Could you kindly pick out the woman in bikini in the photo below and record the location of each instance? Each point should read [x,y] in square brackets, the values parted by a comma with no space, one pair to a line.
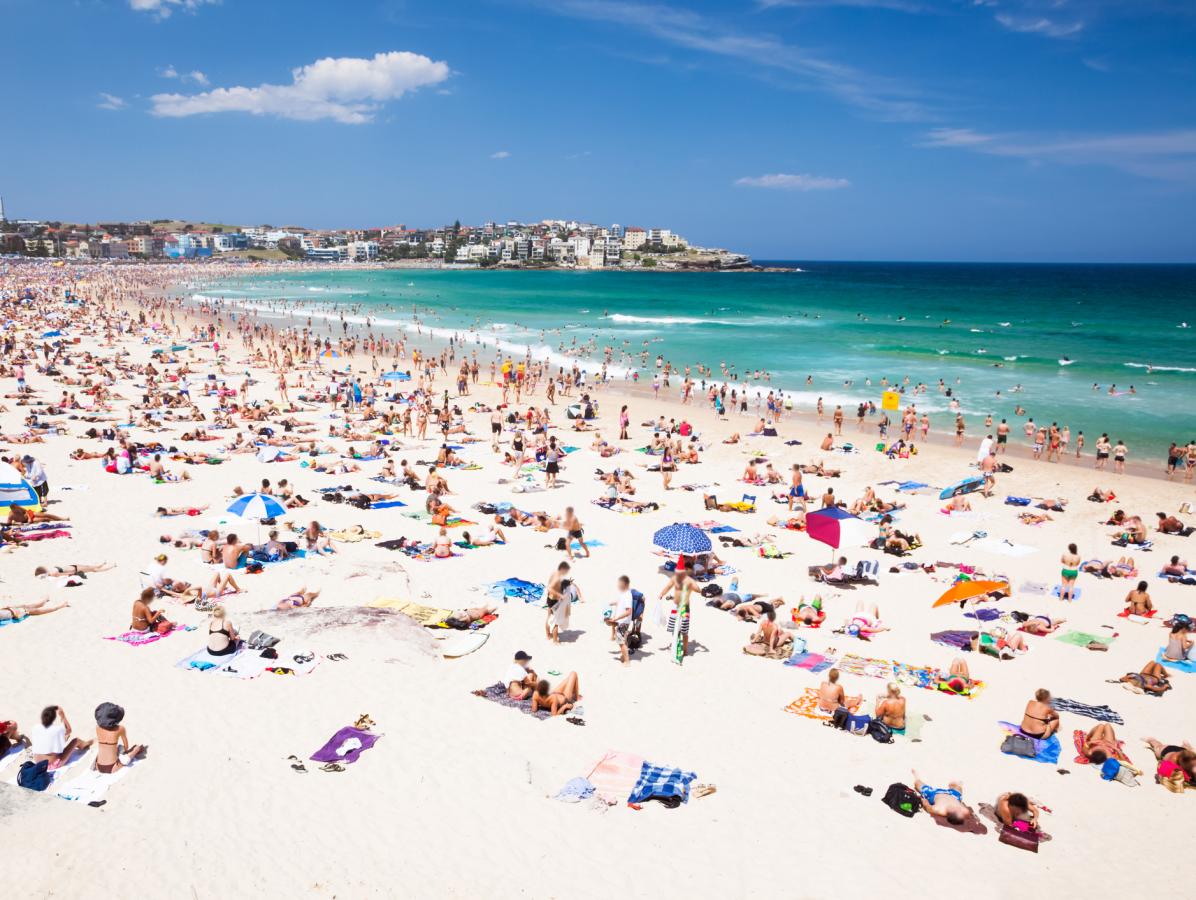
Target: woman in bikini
[1069,573]
[559,700]
[145,619]
[222,637]
[442,547]
[72,569]
[1041,625]
[14,613]
[297,599]
[1040,720]
[111,737]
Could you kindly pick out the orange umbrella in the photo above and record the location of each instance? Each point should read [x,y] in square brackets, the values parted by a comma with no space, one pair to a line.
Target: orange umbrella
[967,590]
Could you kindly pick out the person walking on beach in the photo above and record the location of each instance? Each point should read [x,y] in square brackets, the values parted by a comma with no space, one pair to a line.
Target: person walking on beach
[1102,451]
[1119,454]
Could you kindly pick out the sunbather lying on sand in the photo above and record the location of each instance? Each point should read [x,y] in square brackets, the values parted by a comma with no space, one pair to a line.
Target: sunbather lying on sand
[297,599]
[1153,679]
[944,803]
[1123,567]
[558,700]
[15,613]
[1042,625]
[72,569]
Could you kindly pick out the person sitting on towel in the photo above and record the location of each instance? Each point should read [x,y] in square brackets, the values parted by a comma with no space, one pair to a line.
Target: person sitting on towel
[558,700]
[831,695]
[1017,811]
[519,678]
[222,637]
[1137,601]
[1040,719]
[890,708]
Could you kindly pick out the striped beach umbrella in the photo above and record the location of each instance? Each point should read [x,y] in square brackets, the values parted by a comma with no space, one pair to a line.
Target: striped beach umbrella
[14,489]
[681,537]
[256,506]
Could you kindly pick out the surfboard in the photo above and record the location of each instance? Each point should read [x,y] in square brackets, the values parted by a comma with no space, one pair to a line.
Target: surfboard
[461,643]
[967,486]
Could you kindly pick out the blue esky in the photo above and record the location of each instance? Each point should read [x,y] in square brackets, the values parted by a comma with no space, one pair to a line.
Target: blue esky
[837,129]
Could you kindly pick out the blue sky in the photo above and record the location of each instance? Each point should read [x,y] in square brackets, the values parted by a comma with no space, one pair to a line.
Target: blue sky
[836,129]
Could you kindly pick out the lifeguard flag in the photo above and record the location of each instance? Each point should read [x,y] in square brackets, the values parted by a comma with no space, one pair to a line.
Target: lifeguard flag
[890,400]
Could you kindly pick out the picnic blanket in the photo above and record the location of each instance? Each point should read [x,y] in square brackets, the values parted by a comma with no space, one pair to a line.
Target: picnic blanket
[1181,665]
[141,638]
[1079,736]
[1100,713]
[1083,638]
[518,589]
[1047,751]
[806,706]
[346,746]
[428,616]
[614,776]
[661,782]
[497,693]
[386,504]
[811,662]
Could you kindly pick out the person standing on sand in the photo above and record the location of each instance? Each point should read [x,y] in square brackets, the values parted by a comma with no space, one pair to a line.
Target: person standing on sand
[988,466]
[1002,436]
[1071,570]
[680,586]
[1119,454]
[1102,451]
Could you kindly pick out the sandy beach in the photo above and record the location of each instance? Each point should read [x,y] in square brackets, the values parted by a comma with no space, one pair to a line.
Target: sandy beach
[457,795]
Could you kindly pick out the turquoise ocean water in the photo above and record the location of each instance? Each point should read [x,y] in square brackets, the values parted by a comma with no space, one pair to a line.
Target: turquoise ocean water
[979,328]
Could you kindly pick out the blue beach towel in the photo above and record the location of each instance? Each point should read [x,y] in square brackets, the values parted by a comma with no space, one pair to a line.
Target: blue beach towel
[1047,751]
[661,781]
[386,504]
[1182,665]
[517,588]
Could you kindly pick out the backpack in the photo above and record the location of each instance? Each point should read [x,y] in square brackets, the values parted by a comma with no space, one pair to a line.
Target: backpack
[839,718]
[637,605]
[881,733]
[1019,745]
[902,799]
[34,776]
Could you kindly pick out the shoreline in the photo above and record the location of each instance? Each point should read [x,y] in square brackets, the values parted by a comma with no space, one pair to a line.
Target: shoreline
[1020,449]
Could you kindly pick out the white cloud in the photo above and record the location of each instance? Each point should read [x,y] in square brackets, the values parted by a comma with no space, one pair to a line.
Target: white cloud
[161,9]
[1040,25]
[690,30]
[110,101]
[501,154]
[346,89]
[169,72]
[781,182]
[1163,155]
[198,77]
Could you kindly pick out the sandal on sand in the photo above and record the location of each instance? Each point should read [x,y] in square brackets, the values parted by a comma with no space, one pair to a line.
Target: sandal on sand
[332,767]
[704,790]
[574,720]
[297,765]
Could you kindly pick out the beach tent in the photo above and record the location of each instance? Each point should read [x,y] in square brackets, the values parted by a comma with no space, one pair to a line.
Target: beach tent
[836,527]
[14,489]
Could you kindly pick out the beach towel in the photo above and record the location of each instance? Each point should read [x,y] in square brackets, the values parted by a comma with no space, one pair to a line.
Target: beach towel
[141,638]
[1046,751]
[346,746]
[661,782]
[615,775]
[1083,638]
[91,785]
[386,504]
[1079,736]
[428,616]
[811,662]
[203,661]
[516,589]
[57,776]
[1141,620]
[1180,665]
[1100,713]
[960,640]
[497,693]
[806,706]
[1076,592]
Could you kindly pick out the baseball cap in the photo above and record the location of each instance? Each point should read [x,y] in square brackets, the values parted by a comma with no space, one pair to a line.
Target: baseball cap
[520,656]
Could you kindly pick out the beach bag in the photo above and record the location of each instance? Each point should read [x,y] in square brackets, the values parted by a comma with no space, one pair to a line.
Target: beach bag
[1023,839]
[799,645]
[881,733]
[859,725]
[839,718]
[902,799]
[1019,745]
[164,627]
[34,775]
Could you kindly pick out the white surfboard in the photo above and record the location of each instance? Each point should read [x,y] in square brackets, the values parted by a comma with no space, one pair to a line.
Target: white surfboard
[461,643]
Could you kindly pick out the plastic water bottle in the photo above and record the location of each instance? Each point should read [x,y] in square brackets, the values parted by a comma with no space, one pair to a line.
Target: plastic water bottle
[735,585]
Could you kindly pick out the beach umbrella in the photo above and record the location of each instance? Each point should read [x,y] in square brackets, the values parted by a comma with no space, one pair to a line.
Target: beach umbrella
[396,376]
[836,527]
[969,590]
[330,354]
[14,489]
[256,506]
[682,538]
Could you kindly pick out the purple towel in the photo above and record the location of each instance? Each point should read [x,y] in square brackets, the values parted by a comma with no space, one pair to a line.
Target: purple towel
[327,753]
[960,640]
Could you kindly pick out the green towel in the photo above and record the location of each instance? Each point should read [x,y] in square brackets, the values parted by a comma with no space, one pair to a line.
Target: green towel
[1083,638]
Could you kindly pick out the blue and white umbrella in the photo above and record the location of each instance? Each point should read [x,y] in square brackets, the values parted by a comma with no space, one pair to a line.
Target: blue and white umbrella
[256,506]
[15,490]
[396,376]
[682,538]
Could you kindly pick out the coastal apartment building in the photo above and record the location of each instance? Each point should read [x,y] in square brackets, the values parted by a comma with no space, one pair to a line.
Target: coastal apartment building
[634,238]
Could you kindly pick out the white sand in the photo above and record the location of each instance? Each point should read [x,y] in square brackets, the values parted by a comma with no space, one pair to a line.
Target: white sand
[455,800]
